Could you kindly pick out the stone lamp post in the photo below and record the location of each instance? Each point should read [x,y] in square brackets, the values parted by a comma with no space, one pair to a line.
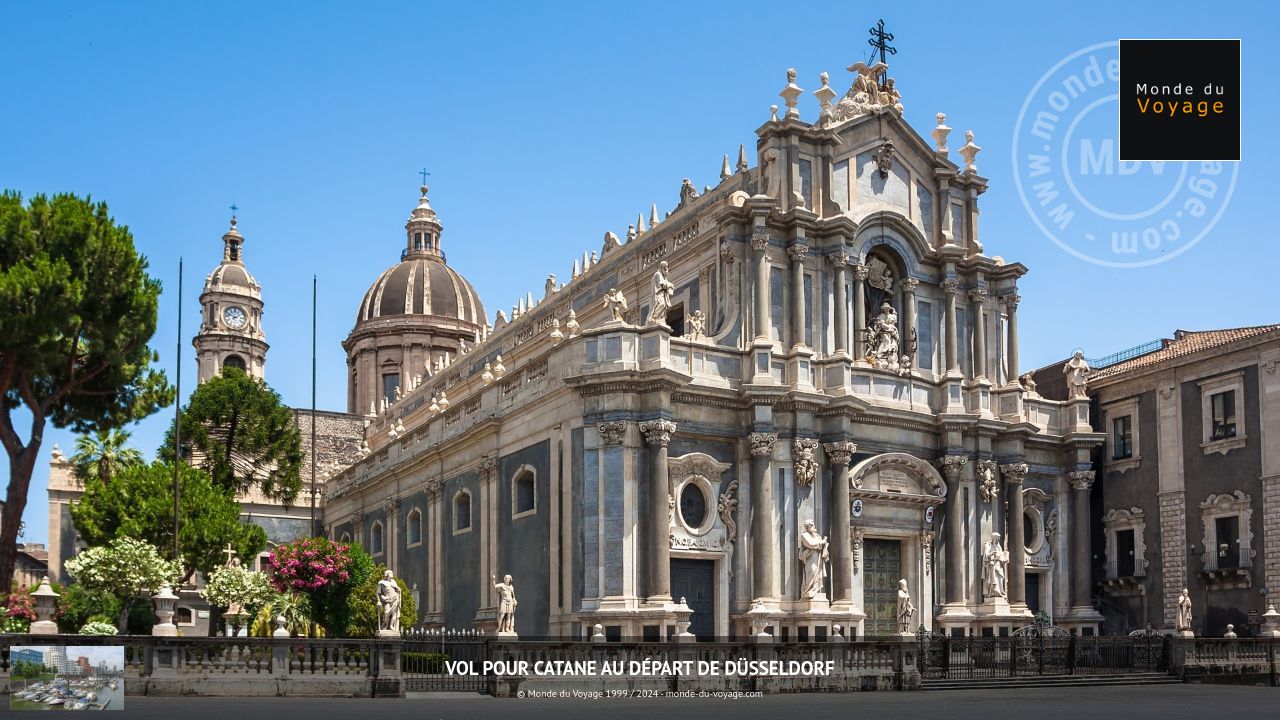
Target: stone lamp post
[164,603]
[1271,622]
[683,615]
[46,602]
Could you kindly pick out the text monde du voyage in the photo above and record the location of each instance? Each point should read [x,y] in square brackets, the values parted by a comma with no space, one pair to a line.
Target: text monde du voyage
[1179,99]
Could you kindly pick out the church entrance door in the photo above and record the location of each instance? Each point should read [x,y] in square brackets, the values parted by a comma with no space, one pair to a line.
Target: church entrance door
[882,560]
[694,580]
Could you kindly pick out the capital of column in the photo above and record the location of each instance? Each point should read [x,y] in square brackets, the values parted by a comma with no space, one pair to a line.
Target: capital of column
[434,486]
[488,469]
[909,284]
[392,506]
[952,466]
[1081,479]
[760,238]
[797,251]
[977,295]
[951,286]
[762,443]
[613,432]
[358,520]
[657,432]
[1011,302]
[861,273]
[1014,472]
[839,259]
[840,452]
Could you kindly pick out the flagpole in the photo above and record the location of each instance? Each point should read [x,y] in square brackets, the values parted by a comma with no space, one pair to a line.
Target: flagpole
[177,418]
[313,406]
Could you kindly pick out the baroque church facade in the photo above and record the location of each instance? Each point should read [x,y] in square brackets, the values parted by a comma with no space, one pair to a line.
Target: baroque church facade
[768,407]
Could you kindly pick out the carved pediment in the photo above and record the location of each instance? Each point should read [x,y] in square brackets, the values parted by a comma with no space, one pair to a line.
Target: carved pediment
[898,474]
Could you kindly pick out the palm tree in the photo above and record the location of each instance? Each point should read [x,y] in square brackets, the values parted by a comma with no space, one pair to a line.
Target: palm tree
[101,454]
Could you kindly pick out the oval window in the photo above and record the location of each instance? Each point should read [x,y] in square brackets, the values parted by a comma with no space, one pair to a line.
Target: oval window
[693,506]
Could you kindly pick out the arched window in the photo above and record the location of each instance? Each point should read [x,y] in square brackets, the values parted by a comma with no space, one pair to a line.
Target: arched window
[461,512]
[183,616]
[234,361]
[524,492]
[375,538]
[345,539]
[414,527]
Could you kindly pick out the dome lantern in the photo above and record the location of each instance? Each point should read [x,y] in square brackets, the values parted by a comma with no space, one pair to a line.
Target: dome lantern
[423,230]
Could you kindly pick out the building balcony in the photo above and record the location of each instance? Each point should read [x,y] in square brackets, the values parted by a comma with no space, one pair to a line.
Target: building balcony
[1125,577]
[1228,568]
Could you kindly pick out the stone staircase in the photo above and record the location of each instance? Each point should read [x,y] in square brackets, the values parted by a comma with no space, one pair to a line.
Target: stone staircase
[1040,681]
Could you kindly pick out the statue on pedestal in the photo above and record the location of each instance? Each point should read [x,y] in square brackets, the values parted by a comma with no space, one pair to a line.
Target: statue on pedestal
[995,560]
[883,348]
[616,302]
[1077,372]
[388,605]
[1184,611]
[506,604]
[906,609]
[663,290]
[814,553]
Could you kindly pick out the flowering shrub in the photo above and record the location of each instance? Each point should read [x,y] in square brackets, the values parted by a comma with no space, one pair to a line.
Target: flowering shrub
[98,628]
[325,572]
[20,604]
[127,568]
[240,588]
[11,624]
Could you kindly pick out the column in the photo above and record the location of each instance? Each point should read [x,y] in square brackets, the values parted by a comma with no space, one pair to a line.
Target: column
[840,260]
[1013,475]
[909,339]
[796,252]
[1081,576]
[1011,310]
[859,312]
[944,212]
[657,433]
[488,527]
[951,287]
[840,453]
[391,533]
[952,467]
[763,544]
[976,297]
[760,241]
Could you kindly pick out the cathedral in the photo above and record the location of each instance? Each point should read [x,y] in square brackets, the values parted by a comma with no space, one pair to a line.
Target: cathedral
[777,407]
[792,402]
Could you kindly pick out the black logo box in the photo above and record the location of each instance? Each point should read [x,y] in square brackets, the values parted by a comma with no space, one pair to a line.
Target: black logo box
[1161,77]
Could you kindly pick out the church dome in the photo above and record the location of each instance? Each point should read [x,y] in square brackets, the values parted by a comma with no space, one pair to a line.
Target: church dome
[230,274]
[422,286]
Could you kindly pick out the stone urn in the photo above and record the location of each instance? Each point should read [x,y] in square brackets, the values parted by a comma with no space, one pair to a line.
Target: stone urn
[280,630]
[46,604]
[164,603]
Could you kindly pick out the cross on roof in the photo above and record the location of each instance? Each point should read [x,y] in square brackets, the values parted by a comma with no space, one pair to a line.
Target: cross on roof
[233,210]
[879,42]
[423,172]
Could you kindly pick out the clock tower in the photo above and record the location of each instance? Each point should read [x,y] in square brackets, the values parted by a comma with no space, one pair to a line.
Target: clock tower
[231,315]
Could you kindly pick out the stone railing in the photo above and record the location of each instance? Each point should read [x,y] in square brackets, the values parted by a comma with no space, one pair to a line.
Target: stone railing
[1228,660]
[318,667]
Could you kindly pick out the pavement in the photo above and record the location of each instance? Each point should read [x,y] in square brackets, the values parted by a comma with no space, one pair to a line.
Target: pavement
[1160,702]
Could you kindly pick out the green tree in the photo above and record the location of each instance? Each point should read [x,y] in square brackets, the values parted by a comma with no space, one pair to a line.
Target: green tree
[364,606]
[78,603]
[242,435]
[138,504]
[78,310]
[127,568]
[99,455]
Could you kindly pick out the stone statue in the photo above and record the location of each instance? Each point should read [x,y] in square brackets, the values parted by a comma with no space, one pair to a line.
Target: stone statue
[814,554]
[506,604]
[697,322]
[995,560]
[865,96]
[617,304]
[1028,382]
[989,487]
[906,609]
[883,349]
[388,605]
[663,289]
[1184,611]
[1077,372]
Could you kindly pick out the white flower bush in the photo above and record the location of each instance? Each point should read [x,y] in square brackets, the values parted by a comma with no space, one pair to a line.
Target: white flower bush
[127,568]
[237,588]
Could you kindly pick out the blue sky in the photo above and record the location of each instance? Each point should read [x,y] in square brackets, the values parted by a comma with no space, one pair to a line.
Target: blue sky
[543,126]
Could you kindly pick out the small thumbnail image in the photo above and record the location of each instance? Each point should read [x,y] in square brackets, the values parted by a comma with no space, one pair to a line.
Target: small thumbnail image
[66,677]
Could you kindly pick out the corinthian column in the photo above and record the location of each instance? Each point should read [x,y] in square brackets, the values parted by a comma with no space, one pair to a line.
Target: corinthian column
[952,467]
[860,273]
[760,241]
[657,433]
[1011,310]
[976,297]
[1081,568]
[796,252]
[909,286]
[840,453]
[1013,475]
[763,543]
[951,287]
[840,261]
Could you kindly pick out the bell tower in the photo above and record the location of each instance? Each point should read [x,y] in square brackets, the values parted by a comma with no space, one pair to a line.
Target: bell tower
[231,315]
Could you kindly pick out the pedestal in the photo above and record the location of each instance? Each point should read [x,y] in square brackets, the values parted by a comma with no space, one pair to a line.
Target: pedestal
[955,616]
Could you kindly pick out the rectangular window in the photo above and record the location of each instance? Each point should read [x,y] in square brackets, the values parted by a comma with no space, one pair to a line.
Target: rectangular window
[924,335]
[1122,438]
[1124,553]
[1228,536]
[1224,415]
[390,382]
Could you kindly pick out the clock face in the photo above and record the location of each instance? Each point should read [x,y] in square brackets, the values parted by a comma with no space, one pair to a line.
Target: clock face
[234,317]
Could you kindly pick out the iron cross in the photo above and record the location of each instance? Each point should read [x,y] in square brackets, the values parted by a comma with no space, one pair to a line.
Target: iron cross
[423,172]
[879,42]
[233,211]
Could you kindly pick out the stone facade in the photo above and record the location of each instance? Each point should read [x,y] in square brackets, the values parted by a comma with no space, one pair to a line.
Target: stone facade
[818,337]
